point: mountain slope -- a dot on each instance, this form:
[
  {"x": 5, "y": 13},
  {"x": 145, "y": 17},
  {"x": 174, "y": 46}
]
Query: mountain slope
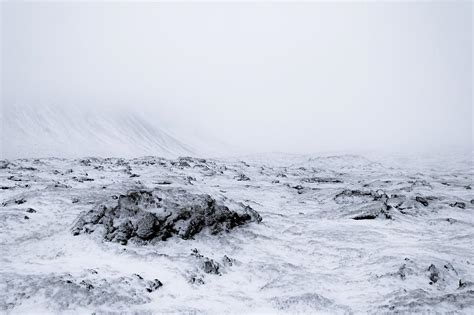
[{"x": 72, "y": 132}]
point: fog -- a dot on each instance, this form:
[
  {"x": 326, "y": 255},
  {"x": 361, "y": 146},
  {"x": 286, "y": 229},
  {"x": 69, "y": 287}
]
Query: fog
[{"x": 298, "y": 78}]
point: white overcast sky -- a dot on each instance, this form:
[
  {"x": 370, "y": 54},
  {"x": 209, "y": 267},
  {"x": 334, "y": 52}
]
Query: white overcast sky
[{"x": 303, "y": 77}]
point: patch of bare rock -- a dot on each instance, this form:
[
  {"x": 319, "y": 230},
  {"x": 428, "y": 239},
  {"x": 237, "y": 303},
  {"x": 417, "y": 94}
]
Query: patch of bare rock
[{"x": 143, "y": 216}]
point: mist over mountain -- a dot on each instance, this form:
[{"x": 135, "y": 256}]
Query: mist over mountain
[
  {"x": 29, "y": 131},
  {"x": 295, "y": 78}
]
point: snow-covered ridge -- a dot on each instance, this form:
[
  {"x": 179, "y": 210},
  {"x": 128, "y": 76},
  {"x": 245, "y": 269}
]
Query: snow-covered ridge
[{"x": 72, "y": 132}]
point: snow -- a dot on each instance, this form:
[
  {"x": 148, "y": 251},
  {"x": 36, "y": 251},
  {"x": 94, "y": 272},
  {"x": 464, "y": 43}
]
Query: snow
[
  {"x": 74, "y": 132},
  {"x": 308, "y": 255}
]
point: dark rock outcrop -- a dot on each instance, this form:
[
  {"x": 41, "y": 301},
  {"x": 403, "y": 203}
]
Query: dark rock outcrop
[
  {"x": 383, "y": 211},
  {"x": 434, "y": 273},
  {"x": 65, "y": 291},
  {"x": 242, "y": 178},
  {"x": 352, "y": 196},
  {"x": 458, "y": 204},
  {"x": 422, "y": 200},
  {"x": 146, "y": 215},
  {"x": 20, "y": 201},
  {"x": 321, "y": 180}
]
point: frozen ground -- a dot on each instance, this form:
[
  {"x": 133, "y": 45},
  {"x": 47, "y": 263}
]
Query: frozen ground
[{"x": 339, "y": 234}]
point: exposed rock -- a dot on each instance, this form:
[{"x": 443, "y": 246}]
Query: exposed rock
[
  {"x": 242, "y": 177},
  {"x": 422, "y": 200},
  {"x": 65, "y": 291},
  {"x": 20, "y": 201},
  {"x": 162, "y": 213},
  {"x": 369, "y": 216},
  {"x": 434, "y": 273},
  {"x": 4, "y": 164},
  {"x": 145, "y": 225},
  {"x": 31, "y": 210},
  {"x": 194, "y": 279},
  {"x": 15, "y": 179},
  {"x": 423, "y": 301},
  {"x": 382, "y": 212},
  {"x": 227, "y": 261},
  {"x": 87, "y": 284},
  {"x": 210, "y": 266},
  {"x": 405, "y": 270},
  {"x": 82, "y": 179},
  {"x": 163, "y": 182},
  {"x": 298, "y": 188},
  {"x": 206, "y": 264},
  {"x": 465, "y": 284},
  {"x": 153, "y": 285},
  {"x": 351, "y": 196},
  {"x": 61, "y": 185},
  {"x": 458, "y": 204},
  {"x": 321, "y": 180}
]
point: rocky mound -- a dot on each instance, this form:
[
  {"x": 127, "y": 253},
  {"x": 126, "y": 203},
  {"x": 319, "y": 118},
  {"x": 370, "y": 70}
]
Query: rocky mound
[
  {"x": 64, "y": 291},
  {"x": 146, "y": 215}
]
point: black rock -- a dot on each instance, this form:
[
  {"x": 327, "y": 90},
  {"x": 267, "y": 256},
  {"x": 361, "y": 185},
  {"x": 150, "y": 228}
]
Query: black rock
[
  {"x": 207, "y": 265},
  {"x": 138, "y": 276},
  {"x": 321, "y": 180},
  {"x": 163, "y": 182},
  {"x": 351, "y": 196},
  {"x": 227, "y": 261},
  {"x": 369, "y": 216},
  {"x": 242, "y": 177},
  {"x": 458, "y": 204},
  {"x": 153, "y": 285},
  {"x": 196, "y": 280},
  {"x": 87, "y": 284},
  {"x": 20, "y": 201},
  {"x": 422, "y": 200},
  {"x": 210, "y": 266},
  {"x": 145, "y": 225},
  {"x": 124, "y": 232},
  {"x": 434, "y": 273},
  {"x": 158, "y": 214},
  {"x": 31, "y": 210}
]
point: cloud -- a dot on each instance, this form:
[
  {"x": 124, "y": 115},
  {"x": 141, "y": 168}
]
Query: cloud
[{"x": 300, "y": 78}]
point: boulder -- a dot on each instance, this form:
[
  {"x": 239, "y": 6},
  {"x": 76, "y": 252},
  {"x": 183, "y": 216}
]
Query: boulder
[{"x": 149, "y": 215}]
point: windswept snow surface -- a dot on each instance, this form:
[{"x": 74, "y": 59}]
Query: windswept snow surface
[
  {"x": 410, "y": 247},
  {"x": 29, "y": 131}
]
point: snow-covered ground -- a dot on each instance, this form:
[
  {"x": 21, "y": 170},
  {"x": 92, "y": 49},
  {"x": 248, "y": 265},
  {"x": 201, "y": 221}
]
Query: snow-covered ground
[{"x": 340, "y": 234}]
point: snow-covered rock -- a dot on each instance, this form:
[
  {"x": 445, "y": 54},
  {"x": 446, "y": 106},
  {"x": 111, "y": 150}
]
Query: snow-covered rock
[{"x": 146, "y": 215}]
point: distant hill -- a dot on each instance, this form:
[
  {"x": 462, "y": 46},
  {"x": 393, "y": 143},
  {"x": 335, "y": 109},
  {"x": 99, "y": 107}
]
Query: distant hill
[{"x": 29, "y": 131}]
